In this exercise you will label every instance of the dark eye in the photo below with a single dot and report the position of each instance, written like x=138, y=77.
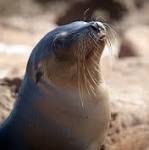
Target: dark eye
x=58, y=44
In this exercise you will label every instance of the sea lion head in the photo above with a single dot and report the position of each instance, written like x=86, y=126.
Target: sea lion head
x=69, y=55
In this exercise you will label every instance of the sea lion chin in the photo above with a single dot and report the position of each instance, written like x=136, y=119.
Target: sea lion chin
x=62, y=103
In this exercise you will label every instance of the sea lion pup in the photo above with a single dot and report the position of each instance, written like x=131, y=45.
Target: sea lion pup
x=63, y=102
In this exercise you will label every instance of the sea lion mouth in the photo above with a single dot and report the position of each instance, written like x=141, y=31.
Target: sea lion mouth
x=102, y=37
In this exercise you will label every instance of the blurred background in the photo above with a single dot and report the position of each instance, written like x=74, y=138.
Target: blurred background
x=125, y=65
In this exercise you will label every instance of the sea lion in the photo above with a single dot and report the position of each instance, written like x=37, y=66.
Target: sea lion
x=63, y=102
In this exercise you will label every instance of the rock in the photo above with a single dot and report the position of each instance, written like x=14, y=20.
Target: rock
x=116, y=12
x=8, y=91
x=128, y=84
x=135, y=42
x=135, y=138
x=127, y=49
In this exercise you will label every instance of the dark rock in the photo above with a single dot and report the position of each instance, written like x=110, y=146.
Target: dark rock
x=115, y=10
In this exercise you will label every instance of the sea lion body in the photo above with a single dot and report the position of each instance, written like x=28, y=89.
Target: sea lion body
x=50, y=113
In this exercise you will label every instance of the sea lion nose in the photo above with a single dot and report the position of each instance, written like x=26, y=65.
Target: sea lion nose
x=99, y=28
x=95, y=26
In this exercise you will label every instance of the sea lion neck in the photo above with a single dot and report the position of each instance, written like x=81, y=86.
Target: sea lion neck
x=35, y=120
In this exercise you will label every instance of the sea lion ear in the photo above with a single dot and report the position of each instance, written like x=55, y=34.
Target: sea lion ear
x=37, y=72
x=38, y=76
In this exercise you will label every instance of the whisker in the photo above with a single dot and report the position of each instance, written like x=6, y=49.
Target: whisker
x=80, y=76
x=84, y=72
x=85, y=14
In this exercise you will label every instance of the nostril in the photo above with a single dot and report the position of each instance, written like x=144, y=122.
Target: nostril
x=99, y=28
x=95, y=26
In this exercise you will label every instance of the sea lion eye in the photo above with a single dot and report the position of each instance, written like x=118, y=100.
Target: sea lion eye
x=58, y=43
x=38, y=76
x=58, y=47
